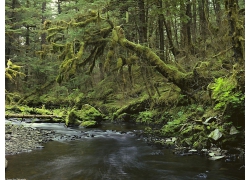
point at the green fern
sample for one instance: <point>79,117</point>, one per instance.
<point>224,93</point>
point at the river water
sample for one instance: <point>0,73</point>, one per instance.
<point>112,152</point>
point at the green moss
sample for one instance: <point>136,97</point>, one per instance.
<point>89,124</point>
<point>72,118</point>
<point>169,71</point>
<point>108,59</point>
<point>87,113</point>
<point>90,113</point>
<point>83,24</point>
<point>133,108</point>
<point>223,92</point>
<point>119,63</point>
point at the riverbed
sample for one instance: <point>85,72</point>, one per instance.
<point>111,152</point>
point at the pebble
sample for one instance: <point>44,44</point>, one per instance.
<point>23,139</point>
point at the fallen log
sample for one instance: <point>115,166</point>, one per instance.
<point>30,116</point>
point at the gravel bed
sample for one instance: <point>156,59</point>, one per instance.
<point>20,139</point>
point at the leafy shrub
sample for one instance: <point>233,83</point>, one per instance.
<point>171,127</point>
<point>145,117</point>
<point>224,93</point>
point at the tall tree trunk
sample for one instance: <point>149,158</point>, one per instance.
<point>43,35</point>
<point>101,71</point>
<point>217,11</point>
<point>188,25</point>
<point>236,30</point>
<point>9,39</point>
<point>202,27</point>
<point>172,47</point>
<point>59,9</point>
<point>183,25</point>
<point>142,22</point>
<point>27,44</point>
<point>202,19</point>
<point>161,30</point>
<point>194,24</point>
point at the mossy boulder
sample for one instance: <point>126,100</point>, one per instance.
<point>86,114</point>
<point>89,124</point>
<point>89,113</point>
<point>72,118</point>
<point>132,108</point>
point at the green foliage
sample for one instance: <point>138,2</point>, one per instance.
<point>166,116</point>
<point>145,117</point>
<point>224,92</point>
<point>171,127</point>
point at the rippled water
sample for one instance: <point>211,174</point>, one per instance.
<point>111,155</point>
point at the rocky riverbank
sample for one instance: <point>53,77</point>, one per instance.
<point>24,139</point>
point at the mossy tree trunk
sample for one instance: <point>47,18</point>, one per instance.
<point>236,30</point>
<point>183,80</point>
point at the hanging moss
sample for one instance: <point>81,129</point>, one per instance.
<point>50,36</point>
<point>132,59</point>
<point>84,23</point>
<point>56,29</point>
<point>81,50</point>
<point>47,24</point>
<point>12,71</point>
<point>119,63</point>
<point>57,47</point>
<point>108,59</point>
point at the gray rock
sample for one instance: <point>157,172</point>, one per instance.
<point>209,120</point>
<point>216,134</point>
<point>233,130</point>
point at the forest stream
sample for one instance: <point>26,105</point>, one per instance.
<point>111,152</point>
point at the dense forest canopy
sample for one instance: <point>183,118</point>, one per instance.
<point>174,52</point>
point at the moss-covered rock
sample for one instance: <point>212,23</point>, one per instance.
<point>89,113</point>
<point>133,108</point>
<point>72,118</point>
<point>86,114</point>
<point>89,124</point>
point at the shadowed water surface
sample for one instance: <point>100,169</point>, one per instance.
<point>111,155</point>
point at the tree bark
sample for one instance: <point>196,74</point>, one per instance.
<point>43,35</point>
<point>161,31</point>
<point>142,22</point>
<point>236,30</point>
<point>181,79</point>
<point>217,11</point>
<point>167,25</point>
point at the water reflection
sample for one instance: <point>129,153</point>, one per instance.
<point>111,155</point>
